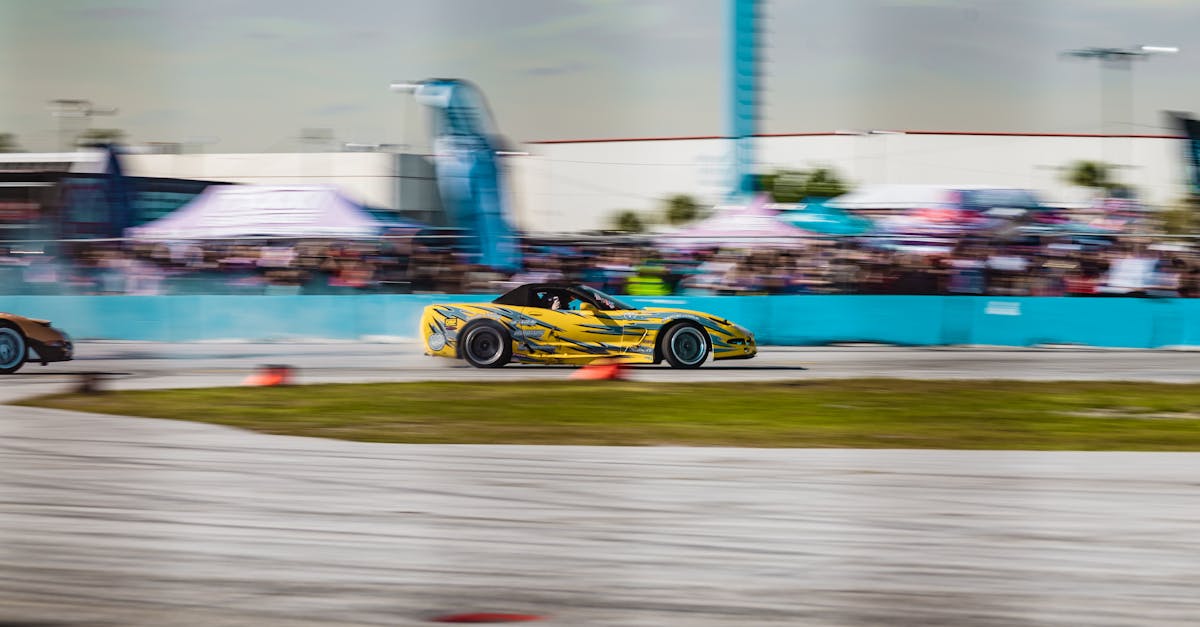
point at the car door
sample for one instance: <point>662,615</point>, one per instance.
<point>576,332</point>
<point>611,324</point>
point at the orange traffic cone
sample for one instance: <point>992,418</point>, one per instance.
<point>603,369</point>
<point>270,375</point>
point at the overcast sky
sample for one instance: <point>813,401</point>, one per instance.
<point>248,75</point>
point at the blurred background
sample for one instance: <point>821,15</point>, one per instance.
<point>966,173</point>
<point>665,147</point>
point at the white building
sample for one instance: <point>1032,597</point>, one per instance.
<point>574,186</point>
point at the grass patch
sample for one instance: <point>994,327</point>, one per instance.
<point>863,413</point>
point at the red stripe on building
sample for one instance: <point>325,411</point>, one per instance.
<point>829,133</point>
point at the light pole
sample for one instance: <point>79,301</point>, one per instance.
<point>1116,65</point>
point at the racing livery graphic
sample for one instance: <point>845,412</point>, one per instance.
<point>555,323</point>
<point>27,339</point>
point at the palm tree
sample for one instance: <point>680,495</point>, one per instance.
<point>786,186</point>
<point>792,186</point>
<point>8,143</point>
<point>1091,174</point>
<point>823,183</point>
<point>629,222</point>
<point>93,136</point>
<point>682,209</point>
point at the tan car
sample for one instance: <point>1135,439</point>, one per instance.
<point>28,339</point>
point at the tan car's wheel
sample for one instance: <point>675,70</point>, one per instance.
<point>12,349</point>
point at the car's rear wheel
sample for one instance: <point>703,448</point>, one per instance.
<point>486,344</point>
<point>685,346</point>
<point>13,349</point>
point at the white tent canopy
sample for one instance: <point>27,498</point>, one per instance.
<point>749,225</point>
<point>230,211</point>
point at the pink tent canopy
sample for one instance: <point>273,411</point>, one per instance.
<point>229,211</point>
<point>750,225</point>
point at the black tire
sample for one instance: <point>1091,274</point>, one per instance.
<point>13,349</point>
<point>485,344</point>
<point>685,345</point>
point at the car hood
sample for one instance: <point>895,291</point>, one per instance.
<point>689,312</point>
<point>15,317</point>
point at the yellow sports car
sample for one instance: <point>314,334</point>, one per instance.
<point>26,339</point>
<point>555,323</point>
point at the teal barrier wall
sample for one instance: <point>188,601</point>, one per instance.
<point>778,320</point>
<point>956,320</point>
<point>192,318</point>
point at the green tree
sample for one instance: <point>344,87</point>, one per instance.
<point>94,136</point>
<point>765,182</point>
<point>788,186</point>
<point>628,221</point>
<point>1182,218</point>
<point>824,183</point>
<point>682,209</point>
<point>792,186</point>
<point>1091,174</point>
<point>8,143</point>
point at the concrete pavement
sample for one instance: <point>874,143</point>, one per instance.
<point>127,521</point>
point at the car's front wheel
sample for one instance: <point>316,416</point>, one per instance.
<point>486,344</point>
<point>12,349</point>
<point>685,346</point>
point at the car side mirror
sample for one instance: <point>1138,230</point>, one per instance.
<point>587,307</point>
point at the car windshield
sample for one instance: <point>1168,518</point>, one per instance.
<point>604,301</point>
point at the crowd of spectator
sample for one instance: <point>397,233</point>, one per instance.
<point>970,266</point>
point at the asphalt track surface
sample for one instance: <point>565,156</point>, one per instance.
<point>136,365</point>
<point>122,521</point>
